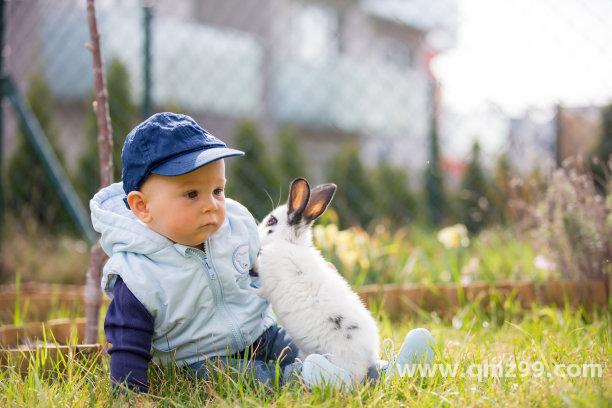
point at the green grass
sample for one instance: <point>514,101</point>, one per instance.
<point>414,254</point>
<point>410,254</point>
<point>472,336</point>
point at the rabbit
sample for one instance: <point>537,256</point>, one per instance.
<point>313,302</point>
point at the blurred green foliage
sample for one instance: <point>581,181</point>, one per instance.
<point>573,228</point>
<point>367,196</point>
<point>31,194</point>
<point>394,201</point>
<point>124,117</point>
<point>434,179</point>
<point>415,254</point>
<point>475,196</point>
<point>602,155</point>
<point>289,161</point>
<point>355,197</point>
<point>253,179</point>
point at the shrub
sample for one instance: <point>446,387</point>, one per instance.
<point>32,196</point>
<point>355,197</point>
<point>394,199</point>
<point>501,191</point>
<point>602,154</point>
<point>574,226</point>
<point>253,177</point>
<point>123,117</point>
<point>434,179</point>
<point>289,159</point>
<point>474,197</point>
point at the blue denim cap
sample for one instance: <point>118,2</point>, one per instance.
<point>168,144</point>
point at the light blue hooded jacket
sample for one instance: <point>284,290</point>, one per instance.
<point>200,300</point>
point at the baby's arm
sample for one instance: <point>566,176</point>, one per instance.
<point>129,327</point>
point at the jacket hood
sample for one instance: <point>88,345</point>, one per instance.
<point>121,230</point>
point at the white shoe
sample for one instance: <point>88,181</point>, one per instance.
<point>318,371</point>
<point>417,349</point>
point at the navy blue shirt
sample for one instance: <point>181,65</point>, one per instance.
<point>129,327</point>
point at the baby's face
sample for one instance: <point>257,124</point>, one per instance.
<point>188,208</point>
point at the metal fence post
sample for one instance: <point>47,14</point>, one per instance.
<point>146,65</point>
<point>38,140</point>
<point>2,7</point>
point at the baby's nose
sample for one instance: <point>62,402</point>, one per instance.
<point>209,205</point>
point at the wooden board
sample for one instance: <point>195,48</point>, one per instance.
<point>36,300</point>
<point>48,355</point>
<point>398,300</point>
<point>60,331</point>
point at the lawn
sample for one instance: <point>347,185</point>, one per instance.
<point>543,351</point>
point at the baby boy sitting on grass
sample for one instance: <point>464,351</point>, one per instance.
<point>180,255</point>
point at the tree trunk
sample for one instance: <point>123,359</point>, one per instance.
<point>93,297</point>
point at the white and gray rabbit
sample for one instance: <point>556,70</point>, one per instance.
<point>312,301</point>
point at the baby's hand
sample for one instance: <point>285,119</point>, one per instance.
<point>254,287</point>
<point>255,281</point>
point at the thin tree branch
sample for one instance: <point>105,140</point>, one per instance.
<point>93,296</point>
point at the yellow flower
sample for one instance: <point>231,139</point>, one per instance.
<point>455,236</point>
<point>325,236</point>
<point>348,258</point>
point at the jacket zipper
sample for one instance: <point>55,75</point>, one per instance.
<point>208,261</point>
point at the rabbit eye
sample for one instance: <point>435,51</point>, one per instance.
<point>271,221</point>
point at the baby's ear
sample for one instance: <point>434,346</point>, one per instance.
<point>138,204</point>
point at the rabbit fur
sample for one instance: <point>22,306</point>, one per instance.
<point>315,305</point>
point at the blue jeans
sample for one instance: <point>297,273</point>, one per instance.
<point>260,358</point>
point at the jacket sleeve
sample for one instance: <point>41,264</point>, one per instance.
<point>129,327</point>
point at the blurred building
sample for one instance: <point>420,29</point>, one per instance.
<point>454,170</point>
<point>336,70</point>
<point>532,141</point>
<point>578,131</point>
<point>541,139</point>
<point>488,124</point>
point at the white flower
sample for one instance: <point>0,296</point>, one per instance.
<point>470,271</point>
<point>541,262</point>
<point>455,236</point>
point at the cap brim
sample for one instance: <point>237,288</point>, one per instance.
<point>194,160</point>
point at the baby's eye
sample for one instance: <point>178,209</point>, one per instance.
<point>218,191</point>
<point>192,194</point>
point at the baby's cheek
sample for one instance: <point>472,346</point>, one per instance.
<point>182,223</point>
<point>221,215</point>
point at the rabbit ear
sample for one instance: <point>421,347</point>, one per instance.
<point>299,193</point>
<point>320,198</point>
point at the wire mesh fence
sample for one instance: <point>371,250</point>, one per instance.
<point>343,91</point>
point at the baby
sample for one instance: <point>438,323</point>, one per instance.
<point>178,274</point>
